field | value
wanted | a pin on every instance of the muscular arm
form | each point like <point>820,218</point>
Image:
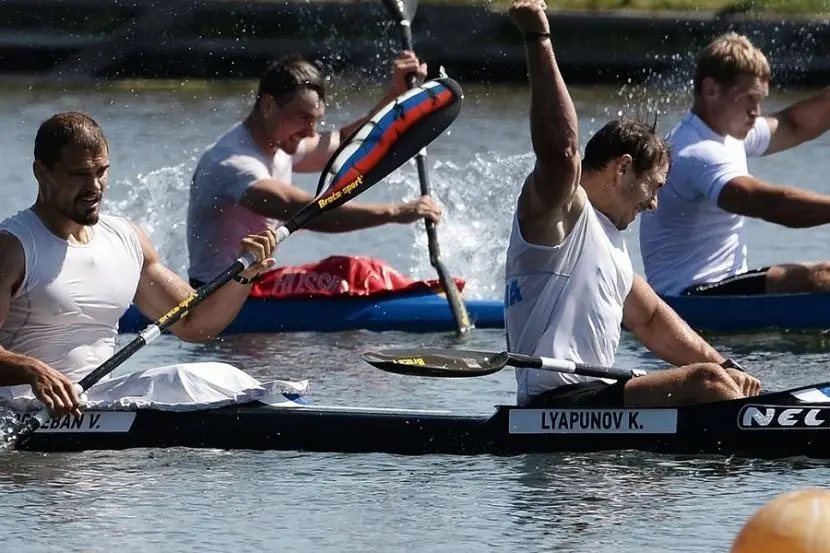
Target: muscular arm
<point>15,369</point>
<point>799,123</point>
<point>661,330</point>
<point>160,290</point>
<point>280,200</point>
<point>784,205</point>
<point>547,198</point>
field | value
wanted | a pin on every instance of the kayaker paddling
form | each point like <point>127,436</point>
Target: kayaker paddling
<point>68,272</point>
<point>695,242</point>
<point>243,181</point>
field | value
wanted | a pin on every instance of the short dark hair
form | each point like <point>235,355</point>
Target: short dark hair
<point>626,136</point>
<point>69,128</point>
<point>288,75</point>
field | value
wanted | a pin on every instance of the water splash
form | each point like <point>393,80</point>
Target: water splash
<point>8,425</point>
<point>157,203</point>
<point>789,49</point>
<point>478,199</point>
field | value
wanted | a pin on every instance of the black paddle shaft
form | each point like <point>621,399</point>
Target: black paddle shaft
<point>459,312</point>
<point>169,319</point>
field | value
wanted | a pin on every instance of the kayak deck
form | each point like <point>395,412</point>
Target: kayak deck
<point>772,426</point>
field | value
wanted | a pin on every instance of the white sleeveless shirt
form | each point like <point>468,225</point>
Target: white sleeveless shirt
<point>66,310</point>
<point>566,301</point>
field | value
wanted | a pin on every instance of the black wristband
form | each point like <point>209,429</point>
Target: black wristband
<point>243,280</point>
<point>533,37</point>
<point>732,364</point>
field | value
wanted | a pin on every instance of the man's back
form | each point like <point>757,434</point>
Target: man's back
<point>688,239</point>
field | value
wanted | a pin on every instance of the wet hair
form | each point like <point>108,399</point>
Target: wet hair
<point>287,76</point>
<point>67,129</point>
<point>728,57</point>
<point>626,136</point>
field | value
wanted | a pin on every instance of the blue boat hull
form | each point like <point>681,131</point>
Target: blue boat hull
<point>797,312</point>
<point>427,312</point>
<point>422,312</point>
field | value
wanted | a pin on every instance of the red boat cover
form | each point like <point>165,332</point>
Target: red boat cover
<point>340,276</point>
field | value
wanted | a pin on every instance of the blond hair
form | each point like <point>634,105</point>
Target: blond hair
<point>728,57</point>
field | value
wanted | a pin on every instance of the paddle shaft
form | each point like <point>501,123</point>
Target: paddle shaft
<point>563,366</point>
<point>173,316</point>
<point>459,311</point>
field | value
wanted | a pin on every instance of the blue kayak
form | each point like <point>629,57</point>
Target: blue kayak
<point>429,312</point>
<point>796,312</point>
<point>412,312</point>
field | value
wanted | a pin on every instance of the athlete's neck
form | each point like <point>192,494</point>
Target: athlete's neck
<point>256,128</point>
<point>708,116</point>
<point>600,193</point>
<point>61,226</point>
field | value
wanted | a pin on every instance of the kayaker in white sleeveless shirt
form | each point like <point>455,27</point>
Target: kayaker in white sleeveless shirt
<point>242,182</point>
<point>68,274</point>
<point>65,311</point>
<point>569,281</point>
<point>695,242</point>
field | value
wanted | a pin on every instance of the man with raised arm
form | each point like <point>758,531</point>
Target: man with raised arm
<point>569,279</point>
<point>695,242</point>
<point>68,273</point>
<point>243,181</point>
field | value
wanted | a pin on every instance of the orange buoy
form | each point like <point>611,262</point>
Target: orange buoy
<point>794,522</point>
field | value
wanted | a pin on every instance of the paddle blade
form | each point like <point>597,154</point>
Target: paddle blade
<point>449,363</point>
<point>401,10</point>
<point>391,137</point>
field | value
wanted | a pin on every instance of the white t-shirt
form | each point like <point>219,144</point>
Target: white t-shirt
<point>216,223</point>
<point>688,239</point>
<point>566,301</point>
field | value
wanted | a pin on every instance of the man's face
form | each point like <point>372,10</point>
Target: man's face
<point>736,107</point>
<point>636,192</point>
<point>74,186</point>
<point>290,124</point>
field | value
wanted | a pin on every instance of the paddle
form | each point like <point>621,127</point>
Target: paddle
<point>451,363</point>
<point>403,11</point>
<point>377,148</point>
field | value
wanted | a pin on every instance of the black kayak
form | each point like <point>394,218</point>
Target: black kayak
<point>773,425</point>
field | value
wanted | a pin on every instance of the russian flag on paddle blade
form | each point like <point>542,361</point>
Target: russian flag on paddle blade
<point>373,142</point>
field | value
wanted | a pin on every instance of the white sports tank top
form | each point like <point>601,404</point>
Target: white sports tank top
<point>566,301</point>
<point>66,311</point>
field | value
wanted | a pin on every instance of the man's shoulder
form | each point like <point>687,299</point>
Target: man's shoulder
<point>225,159</point>
<point>118,222</point>
<point>234,142</point>
<point>691,149</point>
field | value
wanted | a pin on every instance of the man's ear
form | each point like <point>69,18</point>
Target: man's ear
<point>38,170</point>
<point>709,88</point>
<point>624,163</point>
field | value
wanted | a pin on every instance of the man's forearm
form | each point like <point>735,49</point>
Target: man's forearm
<point>208,319</point>
<point>15,369</point>
<point>553,119</point>
<point>794,207</point>
<point>672,340</point>
<point>350,216</point>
